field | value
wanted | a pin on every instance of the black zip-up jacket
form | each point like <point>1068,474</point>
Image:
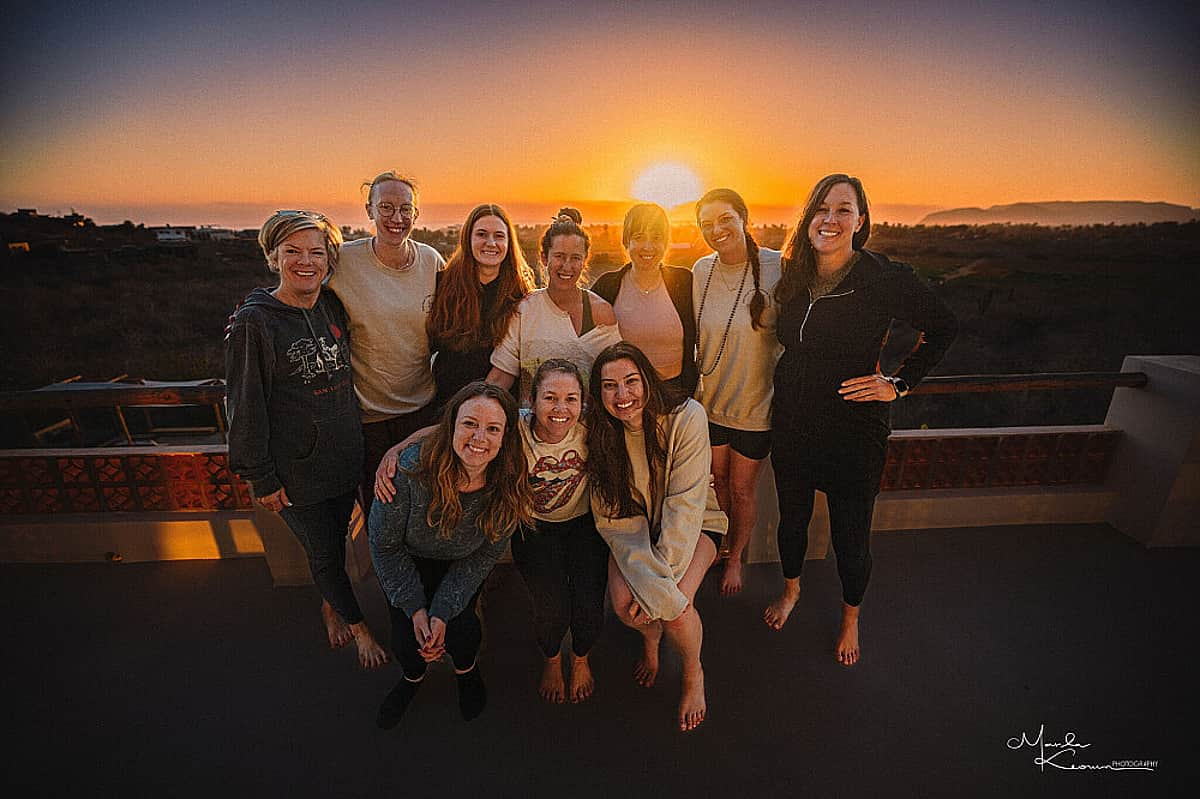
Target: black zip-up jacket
<point>679,287</point>
<point>293,415</point>
<point>840,336</point>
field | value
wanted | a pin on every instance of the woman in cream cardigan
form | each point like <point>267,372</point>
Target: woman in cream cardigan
<point>652,499</point>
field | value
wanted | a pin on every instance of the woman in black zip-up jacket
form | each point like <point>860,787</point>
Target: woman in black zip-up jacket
<point>294,431</point>
<point>831,413</point>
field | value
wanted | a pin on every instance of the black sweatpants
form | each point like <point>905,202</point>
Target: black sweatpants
<point>321,529</point>
<point>851,506</point>
<point>464,632</point>
<point>565,567</point>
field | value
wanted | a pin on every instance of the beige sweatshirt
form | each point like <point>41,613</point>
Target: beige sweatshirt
<point>389,350</point>
<point>737,393</point>
<point>654,553</point>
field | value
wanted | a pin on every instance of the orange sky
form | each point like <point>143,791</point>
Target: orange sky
<point>930,111</point>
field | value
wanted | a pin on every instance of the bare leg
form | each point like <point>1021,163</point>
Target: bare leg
<point>370,654</point>
<point>686,632</point>
<point>582,684</point>
<point>645,671</point>
<point>551,687</point>
<point>338,631</point>
<point>776,614</point>
<point>743,515</point>
<point>847,644</point>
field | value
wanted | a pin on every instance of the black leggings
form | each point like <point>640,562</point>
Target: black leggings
<point>851,506</point>
<point>464,633</point>
<point>565,567</point>
<point>321,529</point>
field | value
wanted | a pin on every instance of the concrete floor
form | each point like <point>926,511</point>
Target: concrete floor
<point>197,678</point>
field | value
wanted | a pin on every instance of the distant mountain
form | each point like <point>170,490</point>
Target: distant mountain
<point>1050,214</point>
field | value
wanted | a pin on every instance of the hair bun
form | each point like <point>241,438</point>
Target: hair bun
<point>571,213</point>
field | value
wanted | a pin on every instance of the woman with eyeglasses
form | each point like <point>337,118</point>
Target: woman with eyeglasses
<point>649,465</point>
<point>832,407</point>
<point>653,301</point>
<point>737,353</point>
<point>386,283</point>
<point>294,431</point>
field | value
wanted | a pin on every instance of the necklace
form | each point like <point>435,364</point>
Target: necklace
<point>410,256</point>
<point>732,312</point>
<point>646,292</point>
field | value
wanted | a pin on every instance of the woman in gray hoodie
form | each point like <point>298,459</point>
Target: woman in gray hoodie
<point>294,431</point>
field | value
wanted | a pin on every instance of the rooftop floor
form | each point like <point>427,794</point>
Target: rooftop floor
<point>198,677</point>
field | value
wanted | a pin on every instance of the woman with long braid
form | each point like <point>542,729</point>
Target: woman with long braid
<point>738,350</point>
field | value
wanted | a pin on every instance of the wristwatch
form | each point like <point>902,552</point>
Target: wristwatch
<point>900,384</point>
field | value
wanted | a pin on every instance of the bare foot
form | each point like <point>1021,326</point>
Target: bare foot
<point>370,654</point>
<point>337,630</point>
<point>731,580</point>
<point>551,687</point>
<point>645,671</point>
<point>847,644</point>
<point>691,704</point>
<point>581,684</point>
<point>776,614</point>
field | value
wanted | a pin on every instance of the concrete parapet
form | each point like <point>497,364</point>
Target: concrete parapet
<point>1155,472</point>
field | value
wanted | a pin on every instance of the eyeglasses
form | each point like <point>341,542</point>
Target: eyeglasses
<point>309,214</point>
<point>386,209</point>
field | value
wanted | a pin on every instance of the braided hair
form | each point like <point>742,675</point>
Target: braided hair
<point>758,301</point>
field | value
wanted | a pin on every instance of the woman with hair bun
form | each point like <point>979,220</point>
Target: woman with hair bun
<point>294,430</point>
<point>563,320</point>
<point>653,301</point>
<point>737,352</point>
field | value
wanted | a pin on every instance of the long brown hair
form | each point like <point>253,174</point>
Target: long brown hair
<point>799,259</point>
<point>758,302</point>
<point>439,468</point>
<point>456,319</point>
<point>610,473</point>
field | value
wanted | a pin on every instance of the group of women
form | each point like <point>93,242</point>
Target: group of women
<point>614,435</point>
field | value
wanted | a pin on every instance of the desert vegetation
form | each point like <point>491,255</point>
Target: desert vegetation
<point>104,302</point>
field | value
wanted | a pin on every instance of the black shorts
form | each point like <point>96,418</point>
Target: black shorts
<point>717,538</point>
<point>752,444</point>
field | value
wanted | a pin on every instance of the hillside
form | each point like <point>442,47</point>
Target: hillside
<point>1053,214</point>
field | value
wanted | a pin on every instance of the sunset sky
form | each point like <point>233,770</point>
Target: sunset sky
<point>223,112</point>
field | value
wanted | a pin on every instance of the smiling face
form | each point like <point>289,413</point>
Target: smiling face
<point>303,262</point>
<point>565,261</point>
<point>556,406</point>
<point>622,392</point>
<point>392,229</point>
<point>833,227</point>
<point>647,248</point>
<point>489,245</point>
<point>724,230</point>
<point>478,432</point>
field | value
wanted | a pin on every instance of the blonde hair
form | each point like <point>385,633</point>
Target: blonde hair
<point>399,177</point>
<point>284,223</point>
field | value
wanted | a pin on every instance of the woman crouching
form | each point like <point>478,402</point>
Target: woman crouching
<point>459,495</point>
<point>650,469</point>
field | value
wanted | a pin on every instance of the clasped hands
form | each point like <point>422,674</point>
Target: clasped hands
<point>430,632</point>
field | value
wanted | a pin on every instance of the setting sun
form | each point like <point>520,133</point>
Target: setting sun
<point>667,184</point>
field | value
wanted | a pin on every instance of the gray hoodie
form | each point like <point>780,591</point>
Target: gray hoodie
<point>293,415</point>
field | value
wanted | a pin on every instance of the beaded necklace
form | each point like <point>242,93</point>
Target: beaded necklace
<point>729,323</point>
